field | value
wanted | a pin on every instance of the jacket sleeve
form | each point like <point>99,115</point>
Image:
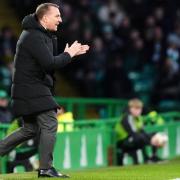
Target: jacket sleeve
<point>39,50</point>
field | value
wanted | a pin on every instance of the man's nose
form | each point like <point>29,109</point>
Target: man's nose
<point>60,20</point>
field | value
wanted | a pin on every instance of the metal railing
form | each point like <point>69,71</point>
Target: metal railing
<point>80,106</point>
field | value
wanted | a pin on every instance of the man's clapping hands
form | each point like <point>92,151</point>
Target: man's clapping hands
<point>76,49</point>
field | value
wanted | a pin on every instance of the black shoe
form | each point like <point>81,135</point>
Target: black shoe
<point>50,173</point>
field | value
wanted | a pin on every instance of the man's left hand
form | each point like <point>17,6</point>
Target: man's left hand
<point>83,50</point>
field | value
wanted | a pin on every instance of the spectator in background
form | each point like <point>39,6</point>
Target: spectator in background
<point>158,46</point>
<point>74,29</point>
<point>5,76</point>
<point>134,58</point>
<point>66,118</point>
<point>137,11</point>
<point>123,32</point>
<point>112,42</point>
<point>167,85</point>
<point>132,136</point>
<point>110,12</point>
<point>7,50</point>
<point>5,113</point>
<point>159,16</point>
<point>117,83</point>
<point>172,53</point>
<point>95,69</point>
<point>7,44</point>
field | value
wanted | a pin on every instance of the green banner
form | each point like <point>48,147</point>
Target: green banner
<point>89,148</point>
<point>82,149</point>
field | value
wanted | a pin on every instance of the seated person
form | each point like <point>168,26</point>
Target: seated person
<point>131,135</point>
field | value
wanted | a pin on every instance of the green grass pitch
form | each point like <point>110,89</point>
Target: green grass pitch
<point>164,171</point>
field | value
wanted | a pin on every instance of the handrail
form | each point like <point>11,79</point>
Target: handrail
<point>79,106</point>
<point>107,121</point>
<point>91,100</point>
<point>169,118</point>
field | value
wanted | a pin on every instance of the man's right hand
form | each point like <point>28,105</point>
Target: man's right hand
<point>76,49</point>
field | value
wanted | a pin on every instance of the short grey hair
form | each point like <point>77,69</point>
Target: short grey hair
<point>42,9</point>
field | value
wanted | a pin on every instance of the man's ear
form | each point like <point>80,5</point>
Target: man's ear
<point>45,19</point>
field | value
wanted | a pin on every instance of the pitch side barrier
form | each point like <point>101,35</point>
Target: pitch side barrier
<point>91,143</point>
<point>84,108</point>
<point>3,160</point>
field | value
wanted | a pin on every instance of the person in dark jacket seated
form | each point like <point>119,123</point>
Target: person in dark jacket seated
<point>131,135</point>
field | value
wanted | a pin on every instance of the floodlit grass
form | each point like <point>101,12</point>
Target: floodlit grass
<point>164,171</point>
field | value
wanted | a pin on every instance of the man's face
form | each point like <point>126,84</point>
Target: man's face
<point>52,18</point>
<point>135,111</point>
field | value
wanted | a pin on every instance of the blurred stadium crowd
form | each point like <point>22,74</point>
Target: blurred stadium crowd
<point>134,47</point>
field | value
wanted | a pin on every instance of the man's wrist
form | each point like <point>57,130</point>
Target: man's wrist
<point>70,54</point>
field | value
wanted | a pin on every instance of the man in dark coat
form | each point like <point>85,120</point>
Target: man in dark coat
<point>33,82</point>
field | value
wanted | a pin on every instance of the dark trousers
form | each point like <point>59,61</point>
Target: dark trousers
<point>43,125</point>
<point>131,144</point>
